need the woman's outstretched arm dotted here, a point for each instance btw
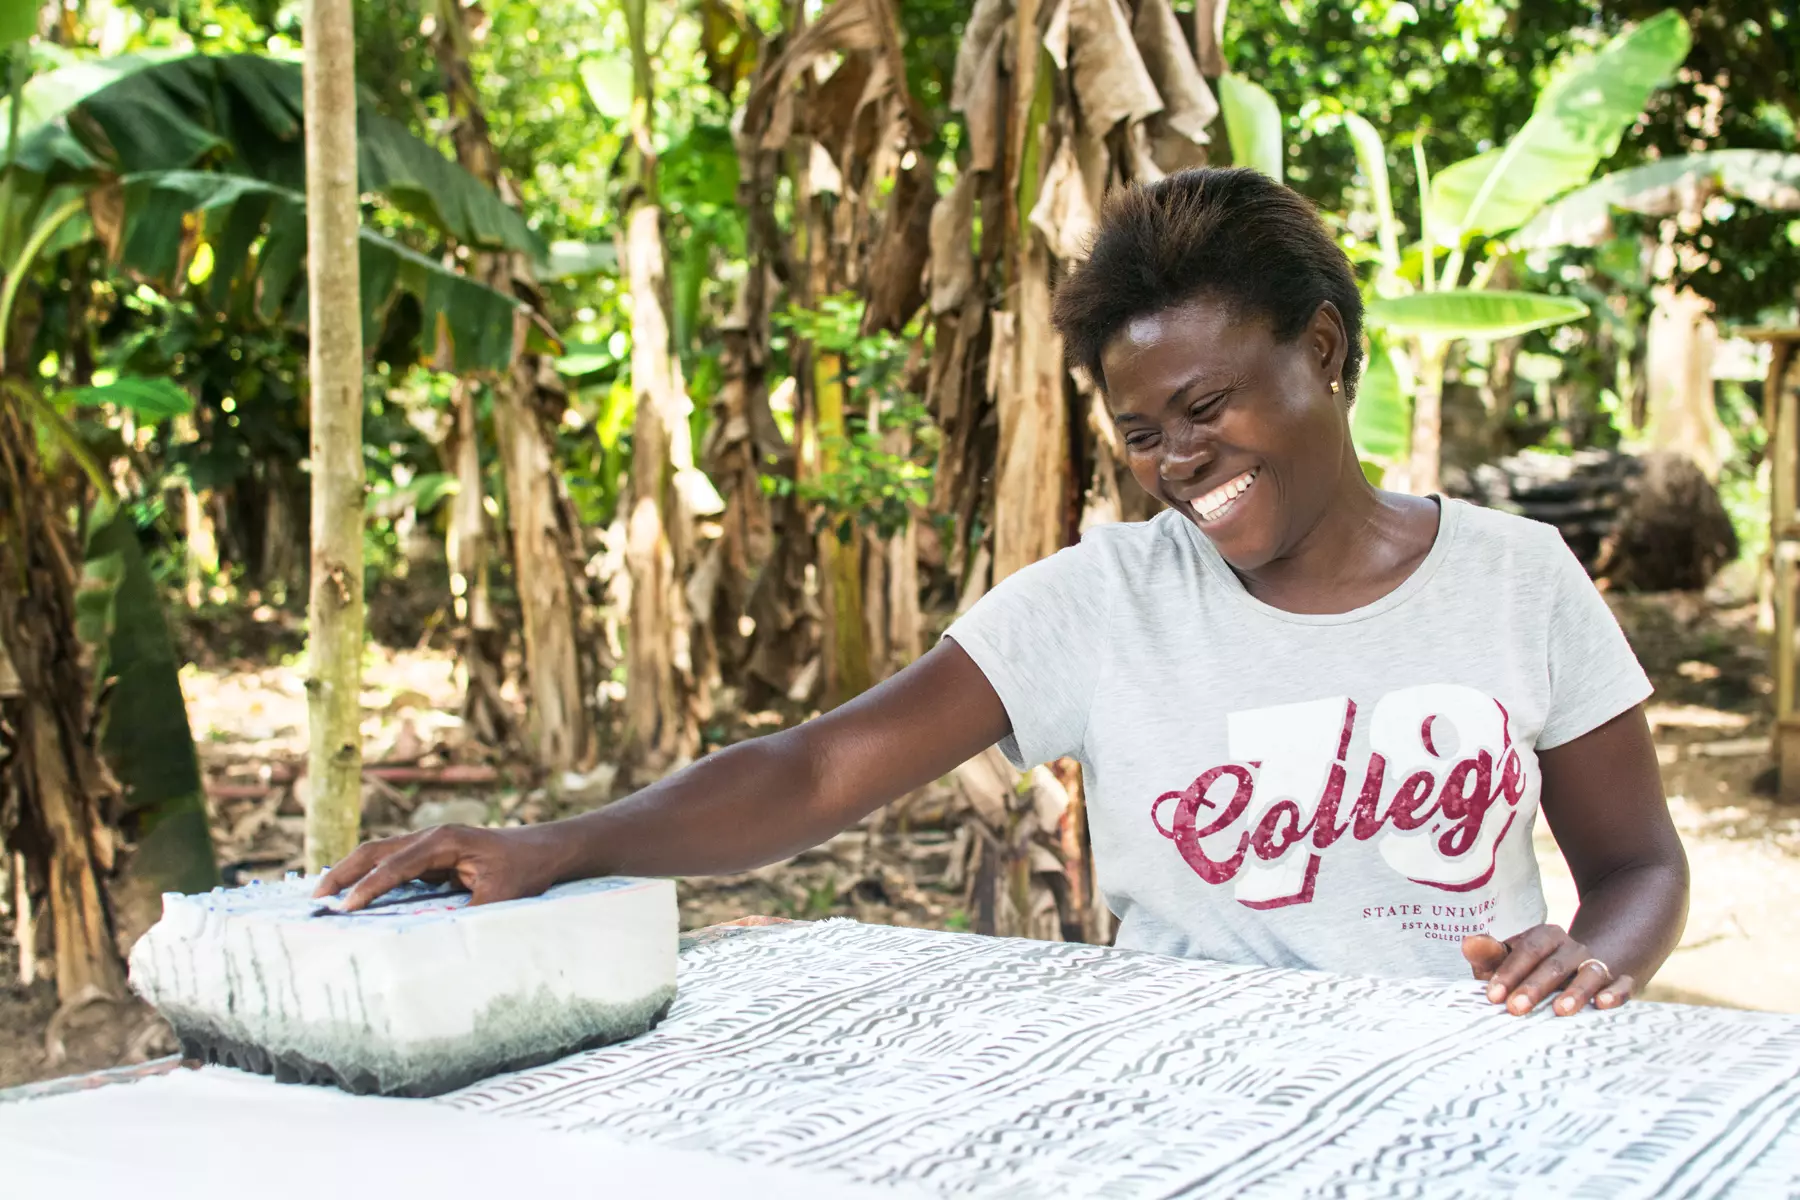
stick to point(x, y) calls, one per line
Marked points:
point(742, 807)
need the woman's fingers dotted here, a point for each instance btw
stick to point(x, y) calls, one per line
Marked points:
point(1616, 993)
point(359, 863)
point(434, 850)
point(1583, 987)
point(1524, 954)
point(1552, 971)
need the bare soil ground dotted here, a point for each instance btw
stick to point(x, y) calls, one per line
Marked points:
point(1711, 717)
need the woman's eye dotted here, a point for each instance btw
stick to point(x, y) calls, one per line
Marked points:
point(1206, 409)
point(1140, 441)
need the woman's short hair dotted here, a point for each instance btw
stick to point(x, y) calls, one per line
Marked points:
point(1226, 233)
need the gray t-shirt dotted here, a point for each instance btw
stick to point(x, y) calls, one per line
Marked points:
point(1350, 792)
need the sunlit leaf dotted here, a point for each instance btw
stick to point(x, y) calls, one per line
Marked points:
point(1769, 178)
point(18, 21)
point(1371, 156)
point(146, 399)
point(1466, 313)
point(1578, 121)
point(1381, 422)
point(608, 83)
point(1252, 124)
point(572, 260)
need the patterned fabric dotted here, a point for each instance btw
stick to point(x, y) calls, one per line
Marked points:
point(976, 1066)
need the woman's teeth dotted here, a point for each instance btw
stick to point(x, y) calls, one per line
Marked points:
point(1220, 500)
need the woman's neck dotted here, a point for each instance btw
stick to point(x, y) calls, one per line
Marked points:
point(1364, 546)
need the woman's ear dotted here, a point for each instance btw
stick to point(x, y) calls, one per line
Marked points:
point(1331, 343)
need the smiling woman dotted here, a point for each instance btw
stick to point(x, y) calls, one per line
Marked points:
point(1316, 720)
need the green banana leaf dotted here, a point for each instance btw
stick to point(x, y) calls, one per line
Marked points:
point(144, 735)
point(241, 114)
point(1578, 121)
point(1770, 178)
point(1252, 124)
point(1469, 313)
point(18, 21)
point(258, 234)
point(1371, 158)
point(146, 399)
point(1381, 422)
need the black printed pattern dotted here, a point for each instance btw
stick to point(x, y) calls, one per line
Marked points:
point(987, 1067)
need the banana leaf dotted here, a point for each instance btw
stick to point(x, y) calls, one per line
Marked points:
point(1381, 422)
point(18, 21)
point(1578, 121)
point(258, 234)
point(1469, 313)
point(146, 399)
point(145, 736)
point(1252, 124)
point(241, 114)
point(1371, 157)
point(1770, 178)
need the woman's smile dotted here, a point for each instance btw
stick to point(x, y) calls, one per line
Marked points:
point(1224, 500)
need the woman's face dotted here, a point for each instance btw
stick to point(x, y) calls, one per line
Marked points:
point(1240, 433)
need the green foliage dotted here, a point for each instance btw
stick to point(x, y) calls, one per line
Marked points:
point(146, 399)
point(157, 126)
point(1380, 423)
point(1577, 122)
point(1252, 123)
point(1769, 178)
point(883, 463)
point(1465, 313)
point(144, 734)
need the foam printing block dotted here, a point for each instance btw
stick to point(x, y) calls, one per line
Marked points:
point(417, 995)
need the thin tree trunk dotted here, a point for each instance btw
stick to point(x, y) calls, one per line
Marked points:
point(847, 671)
point(335, 364)
point(664, 697)
point(1423, 466)
point(202, 540)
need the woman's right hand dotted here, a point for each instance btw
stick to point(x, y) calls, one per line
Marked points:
point(493, 864)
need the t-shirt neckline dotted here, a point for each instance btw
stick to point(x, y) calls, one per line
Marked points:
point(1449, 514)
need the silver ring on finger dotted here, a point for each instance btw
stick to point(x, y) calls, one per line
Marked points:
point(1594, 962)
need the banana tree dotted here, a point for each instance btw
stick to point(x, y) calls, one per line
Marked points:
point(1421, 307)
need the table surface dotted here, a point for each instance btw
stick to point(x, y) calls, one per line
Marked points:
point(865, 1058)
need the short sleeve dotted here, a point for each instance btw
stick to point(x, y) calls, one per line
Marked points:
point(1040, 638)
point(1594, 675)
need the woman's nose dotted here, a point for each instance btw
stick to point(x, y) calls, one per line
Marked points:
point(1184, 458)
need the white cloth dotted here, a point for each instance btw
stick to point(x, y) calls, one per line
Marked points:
point(820, 1061)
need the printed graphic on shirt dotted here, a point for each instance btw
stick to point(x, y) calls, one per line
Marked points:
point(1440, 786)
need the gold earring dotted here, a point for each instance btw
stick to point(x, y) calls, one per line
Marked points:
point(1334, 387)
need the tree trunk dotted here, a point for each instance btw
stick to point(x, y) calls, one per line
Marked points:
point(202, 540)
point(557, 717)
point(59, 798)
point(664, 697)
point(847, 671)
point(1680, 414)
point(1424, 465)
point(481, 642)
point(335, 365)
point(562, 666)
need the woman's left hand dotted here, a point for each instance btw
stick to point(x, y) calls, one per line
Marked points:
point(1527, 968)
